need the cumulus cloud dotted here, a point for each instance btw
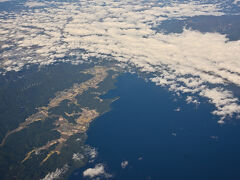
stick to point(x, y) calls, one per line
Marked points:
point(191, 62)
point(91, 153)
point(98, 170)
point(77, 157)
point(223, 100)
point(32, 4)
point(214, 137)
point(191, 99)
point(56, 174)
point(177, 109)
point(124, 164)
point(4, 0)
point(236, 1)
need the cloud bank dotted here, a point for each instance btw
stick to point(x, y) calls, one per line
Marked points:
point(192, 63)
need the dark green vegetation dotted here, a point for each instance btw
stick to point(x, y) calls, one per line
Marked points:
point(20, 94)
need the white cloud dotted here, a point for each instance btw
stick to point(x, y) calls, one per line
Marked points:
point(189, 62)
point(98, 170)
point(4, 0)
point(214, 137)
point(92, 153)
point(56, 174)
point(32, 4)
point(77, 157)
point(177, 109)
point(224, 101)
point(193, 100)
point(236, 2)
point(124, 164)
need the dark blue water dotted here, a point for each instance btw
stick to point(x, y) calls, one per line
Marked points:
point(173, 145)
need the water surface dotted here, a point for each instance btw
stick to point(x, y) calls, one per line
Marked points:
point(159, 142)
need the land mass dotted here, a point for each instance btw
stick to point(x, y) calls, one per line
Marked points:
point(67, 117)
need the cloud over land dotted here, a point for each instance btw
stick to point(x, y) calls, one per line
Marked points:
point(190, 62)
